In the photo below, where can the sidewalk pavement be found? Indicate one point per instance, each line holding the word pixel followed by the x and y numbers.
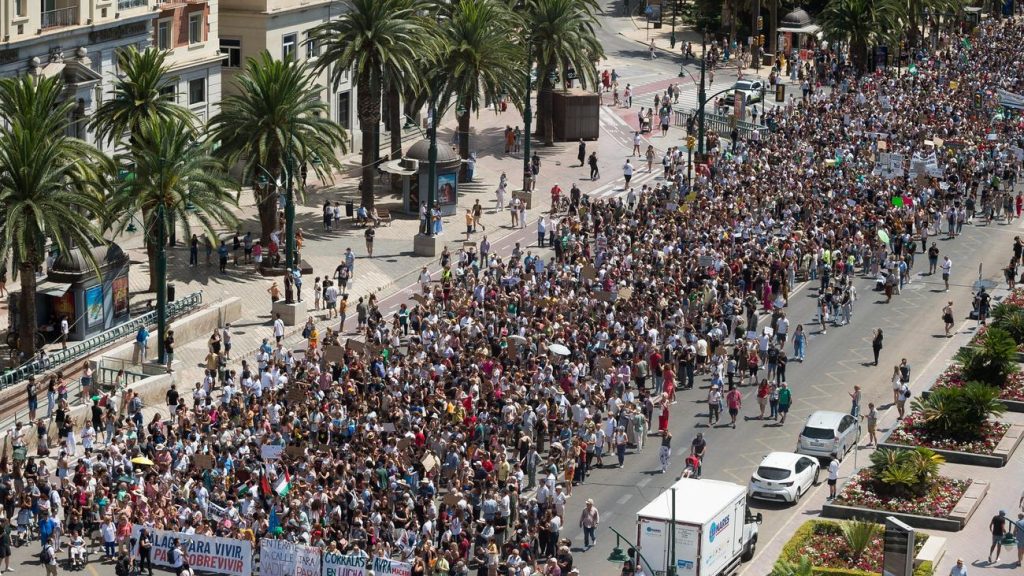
pixel 972 542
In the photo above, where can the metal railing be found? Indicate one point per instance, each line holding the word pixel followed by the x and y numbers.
pixel 60 17
pixel 723 125
pixel 129 4
pixel 60 358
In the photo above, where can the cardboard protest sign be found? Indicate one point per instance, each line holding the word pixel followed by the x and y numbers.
pixel 334 354
pixel 204 461
pixel 271 452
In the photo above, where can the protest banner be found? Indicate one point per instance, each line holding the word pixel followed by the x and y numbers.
pixel 205 553
pixel 271 451
pixel 335 564
pixel 284 558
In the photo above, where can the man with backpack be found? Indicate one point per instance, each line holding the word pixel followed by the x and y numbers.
pixel 48 557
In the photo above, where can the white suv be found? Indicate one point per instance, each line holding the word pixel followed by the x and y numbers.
pixel 827 433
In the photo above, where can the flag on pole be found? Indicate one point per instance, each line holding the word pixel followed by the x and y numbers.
pixel 283 484
pixel 265 489
pixel 273 523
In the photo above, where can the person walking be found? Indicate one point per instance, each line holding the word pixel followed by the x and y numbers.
pixel 368 236
pixel 594 172
pixel 636 144
pixel 947 267
pixel 589 520
pixel 141 345
pixel 1018 536
pixel 621 441
pixel 145 552
pixel 785 401
pixel 734 400
pixel 998 529
pixel 872 420
pixel 49 558
pixel 627 173
pixel 799 343
pixel 958 569
pixel 699 449
pixel 876 344
pixel 581 153
pixel 947 317
pixel 901 400
pixel 665 454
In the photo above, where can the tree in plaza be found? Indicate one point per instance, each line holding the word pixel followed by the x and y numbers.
pixel 143 92
pixel 276 113
pixel 175 170
pixel 862 24
pixel 916 14
pixel 561 36
pixel 478 57
pixel 382 43
pixel 51 185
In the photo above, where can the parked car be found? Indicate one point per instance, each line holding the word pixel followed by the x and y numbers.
pixel 784 476
pixel 828 432
pixel 753 91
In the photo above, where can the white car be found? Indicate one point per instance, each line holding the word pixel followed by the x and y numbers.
pixel 753 91
pixel 826 433
pixel 784 476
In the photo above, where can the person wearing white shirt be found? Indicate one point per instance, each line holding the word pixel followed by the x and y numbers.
pixel 278 328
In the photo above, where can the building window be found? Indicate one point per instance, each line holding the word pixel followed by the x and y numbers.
pixel 231 49
pixel 195 28
pixel 168 92
pixel 163 35
pixel 196 91
pixel 288 42
pixel 312 49
pixel 344 109
pixel 19 7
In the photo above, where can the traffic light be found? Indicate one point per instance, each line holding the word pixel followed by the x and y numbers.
pixel 691 142
pixel 760 23
pixel 689 125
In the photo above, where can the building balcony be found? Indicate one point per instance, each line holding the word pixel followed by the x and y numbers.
pixel 60 17
pixel 123 5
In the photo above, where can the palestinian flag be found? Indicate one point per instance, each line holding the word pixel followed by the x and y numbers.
pixel 283 484
pixel 265 489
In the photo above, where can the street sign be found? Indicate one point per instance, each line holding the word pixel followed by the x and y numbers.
pixel 898 546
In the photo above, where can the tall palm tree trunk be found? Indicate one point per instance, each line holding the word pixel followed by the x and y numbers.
pixel 773 25
pixel 545 120
pixel 369 122
pixel 464 125
pixel 266 206
pixel 395 121
pixel 27 325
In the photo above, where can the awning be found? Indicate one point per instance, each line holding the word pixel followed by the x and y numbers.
pixel 55 289
pixel 806 29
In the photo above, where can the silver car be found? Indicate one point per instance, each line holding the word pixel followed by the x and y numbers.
pixel 827 432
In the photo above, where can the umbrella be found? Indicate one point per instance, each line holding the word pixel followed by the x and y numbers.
pixel 883 236
pixel 142 461
pixel 559 349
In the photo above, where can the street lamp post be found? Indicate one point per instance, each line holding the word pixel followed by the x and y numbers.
pixel 672 40
pixel 527 120
pixel 161 284
pixel 431 162
pixel 289 212
pixel 701 97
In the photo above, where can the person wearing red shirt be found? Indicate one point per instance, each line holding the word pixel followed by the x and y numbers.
pixel 654 363
pixel 734 400
pixel 669 377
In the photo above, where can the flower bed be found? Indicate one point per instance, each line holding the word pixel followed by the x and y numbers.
pixel 823 543
pixel 1014 389
pixel 979 337
pixel 1015 298
pixel 938 502
pixel 911 432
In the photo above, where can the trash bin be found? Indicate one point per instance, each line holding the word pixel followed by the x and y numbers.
pixel 350 208
pixel 170 292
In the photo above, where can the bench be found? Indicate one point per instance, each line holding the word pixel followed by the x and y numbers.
pixel 384 215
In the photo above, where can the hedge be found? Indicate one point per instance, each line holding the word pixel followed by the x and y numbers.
pixel 792 547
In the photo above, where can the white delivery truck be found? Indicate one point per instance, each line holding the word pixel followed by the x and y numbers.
pixel 714 530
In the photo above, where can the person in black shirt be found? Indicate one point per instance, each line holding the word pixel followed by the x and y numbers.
pixel 998 529
pixel 169 349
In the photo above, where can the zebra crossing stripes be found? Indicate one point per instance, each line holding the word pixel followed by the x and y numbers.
pixel 617 187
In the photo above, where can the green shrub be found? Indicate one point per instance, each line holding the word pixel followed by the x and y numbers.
pixel 902 473
pixel 1011 319
pixel 959 413
pixel 790 556
pixel 858 535
pixel 801 568
pixel 992 361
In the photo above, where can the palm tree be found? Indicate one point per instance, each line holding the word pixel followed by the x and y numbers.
pixel 143 92
pixel 382 43
pixel 561 36
pixel 862 23
pixel 479 57
pixel 175 170
pixel 51 185
pixel 276 112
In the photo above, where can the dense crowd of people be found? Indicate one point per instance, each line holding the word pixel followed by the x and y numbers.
pixel 452 435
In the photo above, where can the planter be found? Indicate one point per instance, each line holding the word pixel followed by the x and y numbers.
pixel 956 521
pixel 997 459
pixel 842 512
pixel 821 541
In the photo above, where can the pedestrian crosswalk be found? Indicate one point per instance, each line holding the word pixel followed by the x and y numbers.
pixel 617 187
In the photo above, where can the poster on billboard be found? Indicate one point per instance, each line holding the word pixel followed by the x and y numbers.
pixel 446 187
pixel 119 288
pixel 94 306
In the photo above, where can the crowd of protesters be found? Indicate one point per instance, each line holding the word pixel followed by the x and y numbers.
pixel 453 433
